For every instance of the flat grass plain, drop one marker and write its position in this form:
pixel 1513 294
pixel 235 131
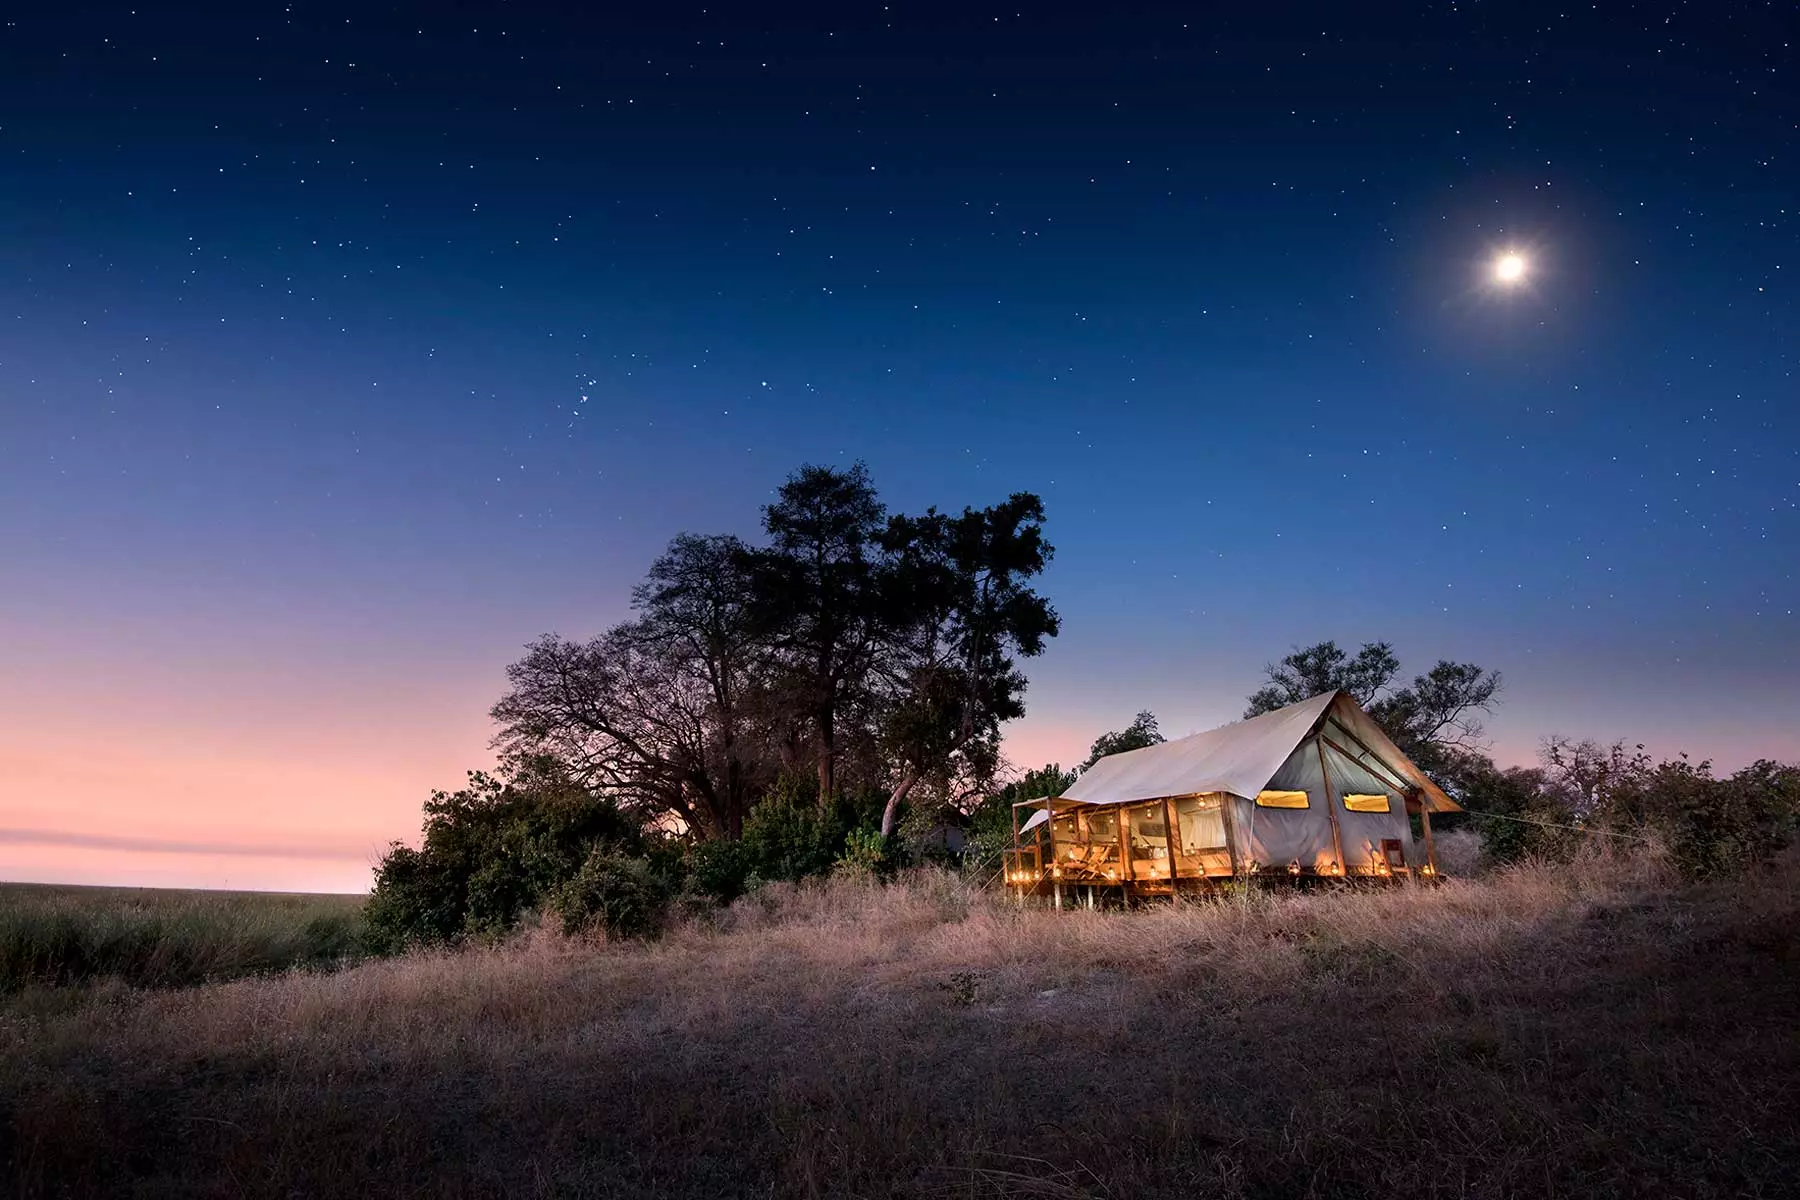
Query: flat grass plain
pixel 1549 1031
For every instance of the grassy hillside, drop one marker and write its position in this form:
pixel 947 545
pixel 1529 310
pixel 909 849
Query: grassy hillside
pixel 161 937
pixel 1545 1033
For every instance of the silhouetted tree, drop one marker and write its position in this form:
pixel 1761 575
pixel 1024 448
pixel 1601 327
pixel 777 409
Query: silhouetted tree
pixel 960 608
pixel 1432 719
pixel 1140 733
pixel 667 713
pixel 818 594
pixel 869 651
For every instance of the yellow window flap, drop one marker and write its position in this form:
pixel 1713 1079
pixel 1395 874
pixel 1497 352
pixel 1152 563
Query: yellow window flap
pixel 1282 800
pixel 1363 802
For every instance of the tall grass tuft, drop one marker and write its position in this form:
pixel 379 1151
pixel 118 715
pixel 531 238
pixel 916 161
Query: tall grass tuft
pixel 149 937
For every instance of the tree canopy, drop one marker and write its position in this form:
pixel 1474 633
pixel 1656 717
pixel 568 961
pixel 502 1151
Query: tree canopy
pixel 1140 733
pixel 1433 719
pixel 876 652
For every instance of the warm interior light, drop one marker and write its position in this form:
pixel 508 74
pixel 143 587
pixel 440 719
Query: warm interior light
pixel 1280 799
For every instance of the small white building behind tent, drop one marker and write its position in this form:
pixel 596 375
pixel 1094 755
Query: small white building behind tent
pixel 1315 788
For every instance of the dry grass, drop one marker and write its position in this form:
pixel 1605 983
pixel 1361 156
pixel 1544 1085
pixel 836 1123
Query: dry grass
pixel 1540 1033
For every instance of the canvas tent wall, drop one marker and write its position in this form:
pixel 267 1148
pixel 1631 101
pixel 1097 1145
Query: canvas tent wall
pixel 1278 836
pixel 1316 786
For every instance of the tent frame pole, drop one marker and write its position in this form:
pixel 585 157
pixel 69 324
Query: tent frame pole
pixel 1378 768
pixel 1337 838
pixel 1015 860
pixel 1125 854
pixel 1425 827
pixel 1228 818
pixel 1169 839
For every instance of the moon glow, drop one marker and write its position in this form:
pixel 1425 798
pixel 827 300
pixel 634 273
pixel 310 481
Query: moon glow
pixel 1509 268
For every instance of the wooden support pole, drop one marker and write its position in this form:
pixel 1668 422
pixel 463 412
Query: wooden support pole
pixel 1337 838
pixel 1169 839
pixel 1124 849
pixel 1015 859
pixel 1425 826
pixel 1228 819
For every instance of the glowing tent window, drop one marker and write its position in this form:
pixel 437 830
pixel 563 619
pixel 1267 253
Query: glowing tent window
pixel 1363 802
pixel 1282 800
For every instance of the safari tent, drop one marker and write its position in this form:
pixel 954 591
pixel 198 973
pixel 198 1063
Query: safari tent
pixel 1315 789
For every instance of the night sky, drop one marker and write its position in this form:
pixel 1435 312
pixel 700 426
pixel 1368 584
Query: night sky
pixel 344 349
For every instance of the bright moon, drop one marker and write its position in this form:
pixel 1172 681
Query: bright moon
pixel 1509 268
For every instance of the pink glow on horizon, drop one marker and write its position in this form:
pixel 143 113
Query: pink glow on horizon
pixel 295 774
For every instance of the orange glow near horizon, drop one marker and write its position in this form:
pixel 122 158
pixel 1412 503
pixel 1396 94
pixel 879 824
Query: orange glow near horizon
pixel 294 773
pixel 123 765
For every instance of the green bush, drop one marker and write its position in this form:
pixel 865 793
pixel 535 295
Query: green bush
pixel 1518 819
pixel 616 894
pixel 718 870
pixel 1711 826
pixel 1586 790
pixel 492 852
pixel 866 855
pixel 790 835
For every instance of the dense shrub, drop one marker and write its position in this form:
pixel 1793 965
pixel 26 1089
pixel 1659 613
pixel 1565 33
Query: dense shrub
pixel 717 870
pixel 492 852
pixel 867 855
pixel 1516 817
pixel 1712 826
pixel 1587 791
pixel 788 836
pixel 613 893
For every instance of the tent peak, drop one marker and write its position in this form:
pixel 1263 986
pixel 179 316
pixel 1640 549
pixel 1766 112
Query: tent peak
pixel 1240 758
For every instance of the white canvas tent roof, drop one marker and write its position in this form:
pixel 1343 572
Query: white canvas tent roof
pixel 1241 758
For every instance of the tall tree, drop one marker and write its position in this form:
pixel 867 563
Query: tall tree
pixel 1434 719
pixel 664 713
pixel 1325 668
pixel 819 597
pixel 1142 732
pixel 862 650
pixel 959 607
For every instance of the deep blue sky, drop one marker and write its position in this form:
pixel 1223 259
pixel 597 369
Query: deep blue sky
pixel 343 349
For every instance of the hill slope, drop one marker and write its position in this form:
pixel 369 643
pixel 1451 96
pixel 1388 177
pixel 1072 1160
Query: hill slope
pixel 1543 1033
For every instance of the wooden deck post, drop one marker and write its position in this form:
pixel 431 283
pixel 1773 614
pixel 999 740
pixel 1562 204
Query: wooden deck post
pixel 1229 819
pixel 1425 827
pixel 1169 836
pixel 1014 860
pixel 1124 851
